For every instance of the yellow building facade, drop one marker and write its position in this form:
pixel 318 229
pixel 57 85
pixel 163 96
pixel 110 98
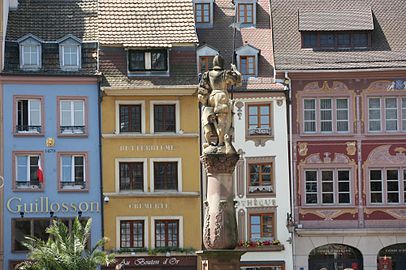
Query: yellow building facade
pixel 162 208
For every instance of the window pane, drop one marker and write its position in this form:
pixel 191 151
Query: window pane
pixel 360 39
pixel 374 114
pixel 309 115
pixel 164 118
pixel 326 115
pixel 376 186
pixel 40 227
pixel 35 112
pixel 22 228
pixel 343 40
pixel 342 114
pixel 309 40
pixel 22 168
pixel 132 176
pixel 166 175
pixel 311 187
pixel 158 60
pixel 130 118
pixel 136 60
pixel 66 168
pixel 327 40
pixel 391 114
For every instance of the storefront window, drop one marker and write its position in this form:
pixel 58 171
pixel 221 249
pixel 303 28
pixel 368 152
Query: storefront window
pixel 392 257
pixel 335 257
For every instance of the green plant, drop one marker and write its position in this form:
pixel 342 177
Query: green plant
pixel 65 250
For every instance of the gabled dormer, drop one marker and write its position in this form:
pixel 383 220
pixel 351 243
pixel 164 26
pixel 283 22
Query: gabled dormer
pixel 30 48
pixel 70 53
pixel 247 60
pixel 203 10
pixel 205 55
pixel 246 11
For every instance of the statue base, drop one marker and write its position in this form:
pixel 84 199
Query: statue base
pixel 220 224
pixel 220 259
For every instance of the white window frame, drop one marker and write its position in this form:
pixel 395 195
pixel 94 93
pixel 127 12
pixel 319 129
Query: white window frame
pixel 27 156
pixel 117 173
pixel 202 51
pixel 132 218
pixel 130 102
pixel 72 113
pixel 384 186
pixel 205 24
pixel 154 218
pixel 400 113
pixel 248 50
pixel 318 111
pixel 147 59
pixel 152 116
pixel 29 114
pixel 254 12
pixel 30 41
pixel 70 41
pixel 72 165
pixel 335 186
pixel 151 173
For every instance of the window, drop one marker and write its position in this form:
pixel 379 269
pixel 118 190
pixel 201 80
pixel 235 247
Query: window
pixel 246 13
pixel 30 53
pixel 260 178
pixel 148 60
pixel 206 63
pixel 73 171
pixel 386 114
pixel 336 40
pixel 261 227
pixel 28 171
pixel 35 227
pixel 72 117
pixel 259 120
pixel 130 118
pixel 70 54
pixel 247 64
pixel 28 115
pixel 202 12
pixel 326 115
pixel 164 118
pixel 166 175
pixel 387 186
pixel 166 233
pixel 327 186
pixel 132 234
pixel 131 176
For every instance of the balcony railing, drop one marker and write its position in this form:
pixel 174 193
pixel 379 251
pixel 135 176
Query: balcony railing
pixel 28 184
pixel 28 129
pixel 72 129
pixel 73 184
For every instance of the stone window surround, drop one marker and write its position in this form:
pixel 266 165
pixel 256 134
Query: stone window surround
pixel 180 228
pixel 16 98
pixel 14 174
pixel 320 167
pixel 86 173
pixel 165 102
pixel 130 102
pixel 118 229
pixel 257 160
pixel 58 113
pixel 398 95
pixel 117 173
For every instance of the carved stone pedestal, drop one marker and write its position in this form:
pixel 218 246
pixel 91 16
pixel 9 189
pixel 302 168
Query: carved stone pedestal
pixel 220 259
pixel 220 225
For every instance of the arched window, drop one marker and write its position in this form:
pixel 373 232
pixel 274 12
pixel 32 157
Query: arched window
pixel 335 257
pixel 392 257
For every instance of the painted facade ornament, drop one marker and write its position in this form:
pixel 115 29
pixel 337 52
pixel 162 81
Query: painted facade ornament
pixel 351 148
pixel 302 149
pixel 339 158
pixel 398 85
pixel 381 155
pixel 279 102
pixel 217 116
pixel 336 86
pixel 50 142
pixel 239 105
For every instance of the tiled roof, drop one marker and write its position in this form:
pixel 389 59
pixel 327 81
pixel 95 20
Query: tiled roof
pixel 388 44
pixel 220 37
pixel 146 23
pixel 336 20
pixel 51 20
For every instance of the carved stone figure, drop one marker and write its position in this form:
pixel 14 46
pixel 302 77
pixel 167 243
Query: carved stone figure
pixel 217 117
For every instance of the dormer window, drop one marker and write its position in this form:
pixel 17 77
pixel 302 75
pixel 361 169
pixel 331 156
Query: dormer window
pixel 203 13
pixel 205 56
pixel 30 53
pixel 247 57
pixel 70 53
pixel 147 60
pixel 336 40
pixel 246 12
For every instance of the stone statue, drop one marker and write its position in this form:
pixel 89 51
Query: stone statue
pixel 217 117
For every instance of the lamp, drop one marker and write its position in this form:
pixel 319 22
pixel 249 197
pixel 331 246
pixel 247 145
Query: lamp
pixel 51 214
pixel 80 214
pixel 22 214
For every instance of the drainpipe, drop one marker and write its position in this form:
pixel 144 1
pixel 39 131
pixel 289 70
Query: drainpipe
pixel 288 94
pixel 100 99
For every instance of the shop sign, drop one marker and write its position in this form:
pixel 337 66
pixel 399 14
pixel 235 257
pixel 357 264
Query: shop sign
pixel 44 205
pixel 256 202
pixel 147 147
pixel 139 205
pixel 156 261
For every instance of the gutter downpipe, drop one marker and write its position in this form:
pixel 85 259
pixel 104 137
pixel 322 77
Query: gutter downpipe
pixel 100 99
pixel 290 147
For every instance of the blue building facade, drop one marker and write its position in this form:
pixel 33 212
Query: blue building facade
pixel 51 122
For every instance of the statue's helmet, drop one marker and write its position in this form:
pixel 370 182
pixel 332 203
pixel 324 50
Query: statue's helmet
pixel 218 62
